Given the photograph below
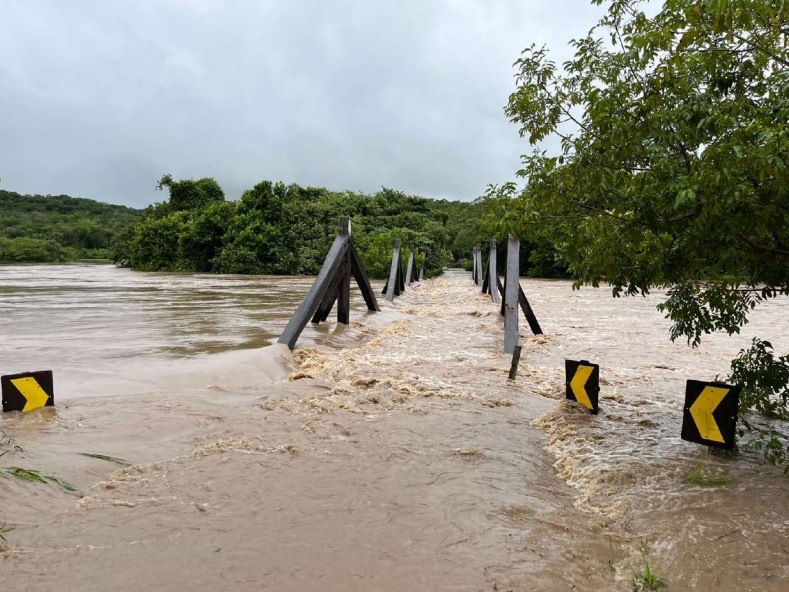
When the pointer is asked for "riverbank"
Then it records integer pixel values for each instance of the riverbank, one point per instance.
(404, 460)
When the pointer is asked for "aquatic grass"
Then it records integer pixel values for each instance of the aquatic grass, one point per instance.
(38, 477)
(107, 457)
(698, 476)
(648, 579)
(4, 530)
(8, 444)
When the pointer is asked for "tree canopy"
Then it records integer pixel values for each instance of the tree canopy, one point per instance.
(287, 229)
(660, 160)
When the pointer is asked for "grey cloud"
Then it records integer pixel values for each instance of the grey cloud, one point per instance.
(100, 98)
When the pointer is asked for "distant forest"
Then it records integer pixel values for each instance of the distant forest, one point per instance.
(59, 228)
(273, 229)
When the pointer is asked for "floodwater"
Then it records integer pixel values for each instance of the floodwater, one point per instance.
(390, 455)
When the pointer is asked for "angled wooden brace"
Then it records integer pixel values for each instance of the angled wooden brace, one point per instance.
(332, 285)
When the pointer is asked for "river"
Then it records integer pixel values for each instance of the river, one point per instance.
(390, 455)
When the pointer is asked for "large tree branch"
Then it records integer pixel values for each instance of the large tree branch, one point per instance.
(752, 246)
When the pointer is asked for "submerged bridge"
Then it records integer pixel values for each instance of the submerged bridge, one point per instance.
(343, 262)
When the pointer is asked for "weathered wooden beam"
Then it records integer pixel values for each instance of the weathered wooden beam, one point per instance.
(400, 277)
(474, 265)
(516, 358)
(494, 274)
(409, 274)
(312, 301)
(526, 307)
(512, 293)
(502, 290)
(479, 266)
(344, 294)
(393, 284)
(362, 280)
(424, 264)
(329, 298)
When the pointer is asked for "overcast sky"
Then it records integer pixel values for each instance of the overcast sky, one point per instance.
(99, 98)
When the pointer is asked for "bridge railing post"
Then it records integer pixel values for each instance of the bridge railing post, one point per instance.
(480, 268)
(511, 295)
(394, 281)
(494, 274)
(425, 254)
(333, 284)
(474, 265)
(410, 271)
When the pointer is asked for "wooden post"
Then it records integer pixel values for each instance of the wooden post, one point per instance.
(400, 276)
(332, 285)
(344, 296)
(424, 263)
(511, 291)
(329, 297)
(479, 266)
(516, 358)
(344, 293)
(494, 274)
(474, 271)
(526, 307)
(409, 274)
(502, 291)
(312, 301)
(393, 284)
(359, 273)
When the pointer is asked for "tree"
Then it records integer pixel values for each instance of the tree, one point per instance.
(188, 194)
(204, 237)
(671, 166)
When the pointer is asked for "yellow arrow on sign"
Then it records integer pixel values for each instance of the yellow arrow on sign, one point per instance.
(32, 391)
(578, 385)
(702, 409)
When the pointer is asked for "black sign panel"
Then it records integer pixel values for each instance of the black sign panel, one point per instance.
(27, 391)
(710, 415)
(583, 383)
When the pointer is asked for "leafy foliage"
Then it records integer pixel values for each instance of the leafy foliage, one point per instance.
(764, 379)
(671, 167)
(191, 195)
(287, 229)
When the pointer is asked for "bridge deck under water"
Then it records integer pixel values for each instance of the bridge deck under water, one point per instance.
(395, 455)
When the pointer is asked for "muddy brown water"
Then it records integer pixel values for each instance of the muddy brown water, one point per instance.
(391, 455)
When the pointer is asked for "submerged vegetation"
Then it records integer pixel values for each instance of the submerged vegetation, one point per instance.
(648, 579)
(700, 476)
(37, 477)
(107, 457)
